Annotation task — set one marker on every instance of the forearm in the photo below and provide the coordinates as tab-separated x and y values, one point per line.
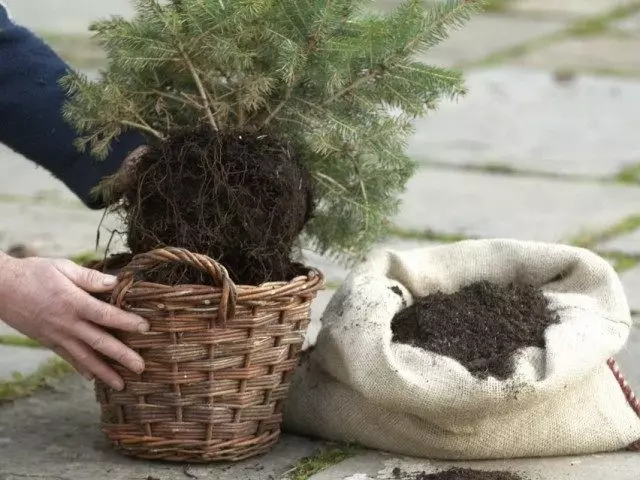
31	122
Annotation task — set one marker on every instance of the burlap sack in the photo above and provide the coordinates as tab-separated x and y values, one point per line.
569	398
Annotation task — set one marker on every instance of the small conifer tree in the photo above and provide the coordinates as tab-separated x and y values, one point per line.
337	85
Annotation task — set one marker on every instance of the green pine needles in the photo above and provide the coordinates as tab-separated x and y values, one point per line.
340	83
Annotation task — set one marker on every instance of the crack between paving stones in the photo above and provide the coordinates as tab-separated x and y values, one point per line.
31	475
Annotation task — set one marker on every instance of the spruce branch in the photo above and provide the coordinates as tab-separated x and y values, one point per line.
351	86
203	94
315	72
144	127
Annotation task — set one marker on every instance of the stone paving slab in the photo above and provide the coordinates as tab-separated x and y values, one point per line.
605	54
629	358
335	271
23	178
7	330
523	119
55	436
629	243
380	466
65	17
629	25
54	231
497	32
631	281
23	360
489	205
569	8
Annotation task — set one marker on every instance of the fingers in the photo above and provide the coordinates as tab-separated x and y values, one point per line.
109	346
83	356
107	315
86	278
61	352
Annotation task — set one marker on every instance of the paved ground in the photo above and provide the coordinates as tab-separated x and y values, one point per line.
543	147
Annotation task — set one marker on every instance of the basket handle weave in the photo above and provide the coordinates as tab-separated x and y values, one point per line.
148	260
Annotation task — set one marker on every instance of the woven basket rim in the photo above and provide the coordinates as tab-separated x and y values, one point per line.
312	272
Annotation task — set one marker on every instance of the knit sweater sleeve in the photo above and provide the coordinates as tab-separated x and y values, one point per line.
31	121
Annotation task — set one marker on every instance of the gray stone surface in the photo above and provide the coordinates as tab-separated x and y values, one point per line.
497	33
335	270
631	281
629	25
380	466
486	205
629	358
336	273
22	360
628	243
524	119
613	54
569	8
7	330
55	436
54	230
65	16
317	309
22	179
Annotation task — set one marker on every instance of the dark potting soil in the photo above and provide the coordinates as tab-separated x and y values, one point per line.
240	197
459	474
481	326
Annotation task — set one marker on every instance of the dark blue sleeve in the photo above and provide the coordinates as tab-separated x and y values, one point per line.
31	121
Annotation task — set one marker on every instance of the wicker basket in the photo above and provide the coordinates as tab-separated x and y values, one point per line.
218	361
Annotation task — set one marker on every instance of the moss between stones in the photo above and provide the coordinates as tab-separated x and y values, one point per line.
595	25
600	24
23	386
85	257
621	261
514	51
307	467
428	235
591	239
81	51
18	341
629	175
497	6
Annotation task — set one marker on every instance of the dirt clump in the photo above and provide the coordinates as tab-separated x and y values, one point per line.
456	473
468	474
482	325
240	197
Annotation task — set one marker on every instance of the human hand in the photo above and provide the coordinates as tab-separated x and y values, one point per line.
48	300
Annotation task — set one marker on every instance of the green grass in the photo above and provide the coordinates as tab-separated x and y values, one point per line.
629	175
591	239
595	25
496	6
497	167
514	51
621	261
427	235
18	341
80	50
600	24
23	386
41	198
308	467
83	258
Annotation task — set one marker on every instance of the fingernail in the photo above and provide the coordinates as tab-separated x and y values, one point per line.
117	385
139	368
109	280
143	327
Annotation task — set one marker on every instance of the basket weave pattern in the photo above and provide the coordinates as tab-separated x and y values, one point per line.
218	361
